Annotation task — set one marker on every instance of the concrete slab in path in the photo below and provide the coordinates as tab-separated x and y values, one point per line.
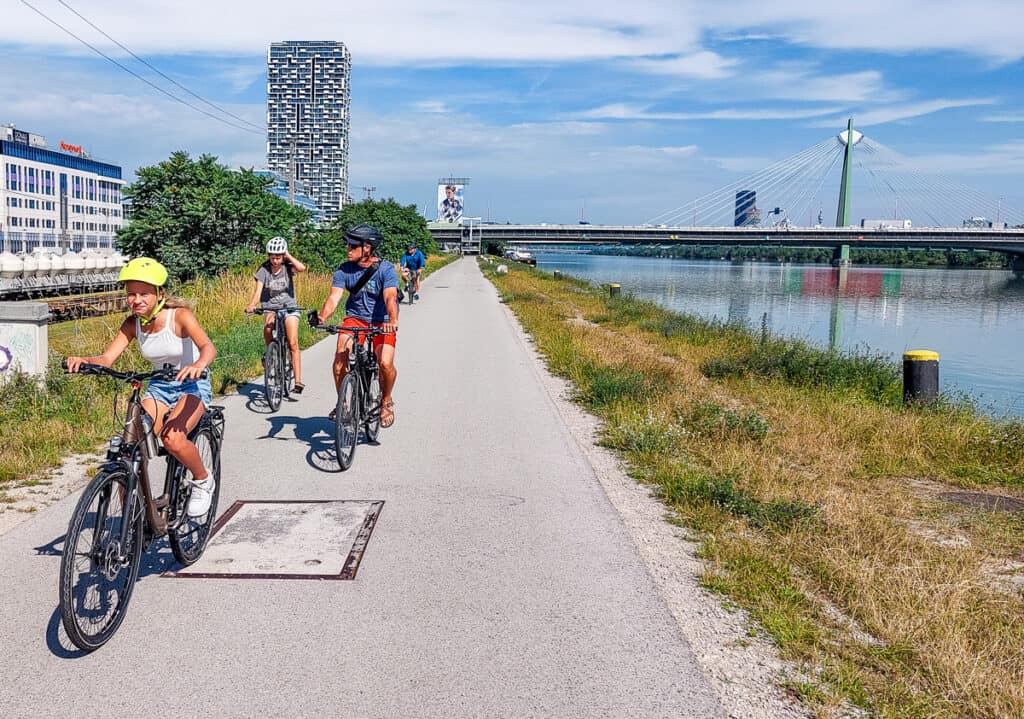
499	581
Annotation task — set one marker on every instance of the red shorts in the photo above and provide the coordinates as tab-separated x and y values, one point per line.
379	340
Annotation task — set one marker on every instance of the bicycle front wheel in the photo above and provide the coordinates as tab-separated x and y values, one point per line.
273	380
188	539
97	573
346	421
373	395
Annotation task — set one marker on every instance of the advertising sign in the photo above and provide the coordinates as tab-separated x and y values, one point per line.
20	136
449	202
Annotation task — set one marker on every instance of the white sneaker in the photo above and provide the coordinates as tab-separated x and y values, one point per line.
202	495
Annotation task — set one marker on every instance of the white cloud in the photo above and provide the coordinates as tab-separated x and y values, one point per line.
704	65
1005	117
892	113
399	31
624	111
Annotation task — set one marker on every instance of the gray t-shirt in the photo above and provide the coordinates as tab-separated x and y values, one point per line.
278	289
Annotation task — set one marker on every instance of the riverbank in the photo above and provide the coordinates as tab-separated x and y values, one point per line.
879	547
41	425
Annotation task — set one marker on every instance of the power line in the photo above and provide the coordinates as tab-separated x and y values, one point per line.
135	74
157	71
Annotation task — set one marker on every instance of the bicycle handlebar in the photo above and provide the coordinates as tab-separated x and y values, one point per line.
261	310
370	331
166	373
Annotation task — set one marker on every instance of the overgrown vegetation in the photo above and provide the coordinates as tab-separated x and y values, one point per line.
818	500
807	255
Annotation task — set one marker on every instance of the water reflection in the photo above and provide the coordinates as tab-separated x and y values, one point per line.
970	317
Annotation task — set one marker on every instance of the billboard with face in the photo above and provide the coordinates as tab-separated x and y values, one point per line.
449	202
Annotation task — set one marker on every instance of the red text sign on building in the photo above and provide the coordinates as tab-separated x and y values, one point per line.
77	149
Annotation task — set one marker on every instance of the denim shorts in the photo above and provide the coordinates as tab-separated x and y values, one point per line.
168	392
287	312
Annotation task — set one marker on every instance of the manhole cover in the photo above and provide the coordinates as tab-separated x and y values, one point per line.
287	540
982	500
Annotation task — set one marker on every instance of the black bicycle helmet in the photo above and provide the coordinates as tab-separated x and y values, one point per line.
365	234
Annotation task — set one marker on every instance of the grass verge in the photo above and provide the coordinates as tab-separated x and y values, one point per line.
41	423
820	502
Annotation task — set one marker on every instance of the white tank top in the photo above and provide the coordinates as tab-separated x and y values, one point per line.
164	347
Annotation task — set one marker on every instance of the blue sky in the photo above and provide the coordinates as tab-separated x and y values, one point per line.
631	108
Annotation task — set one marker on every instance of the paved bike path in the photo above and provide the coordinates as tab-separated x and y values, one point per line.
498	582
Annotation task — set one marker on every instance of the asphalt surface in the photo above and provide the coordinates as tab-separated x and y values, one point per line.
498	582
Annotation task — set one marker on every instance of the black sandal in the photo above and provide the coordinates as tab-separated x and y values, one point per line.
297	389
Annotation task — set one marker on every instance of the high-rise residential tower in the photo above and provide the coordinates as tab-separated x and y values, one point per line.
308	117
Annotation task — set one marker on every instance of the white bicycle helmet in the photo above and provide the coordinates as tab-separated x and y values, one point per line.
277	246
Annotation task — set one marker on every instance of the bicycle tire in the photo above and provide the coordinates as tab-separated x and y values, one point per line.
372	409
74	579
410	290
289	370
189	538
272	379
346	421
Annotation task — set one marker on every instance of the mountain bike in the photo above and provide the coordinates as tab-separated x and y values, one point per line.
359	396
118	518
278	372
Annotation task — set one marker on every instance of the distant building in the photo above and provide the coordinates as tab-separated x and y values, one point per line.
55	198
308	95
885	224
301	198
747	213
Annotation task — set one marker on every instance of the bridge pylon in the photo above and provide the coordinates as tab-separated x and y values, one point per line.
848	138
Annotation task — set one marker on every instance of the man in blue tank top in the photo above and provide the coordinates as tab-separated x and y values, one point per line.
374	305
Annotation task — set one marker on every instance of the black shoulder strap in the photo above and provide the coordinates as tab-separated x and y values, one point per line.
365	277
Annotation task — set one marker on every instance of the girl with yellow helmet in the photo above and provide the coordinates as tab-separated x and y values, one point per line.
167	333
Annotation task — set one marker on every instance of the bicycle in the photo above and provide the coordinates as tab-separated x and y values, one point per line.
359	396
109	530
410	283
278	372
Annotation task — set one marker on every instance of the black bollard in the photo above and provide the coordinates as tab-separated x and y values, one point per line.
920	376
614	290
557	274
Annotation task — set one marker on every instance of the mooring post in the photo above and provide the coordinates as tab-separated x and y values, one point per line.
920	376
557	274
614	289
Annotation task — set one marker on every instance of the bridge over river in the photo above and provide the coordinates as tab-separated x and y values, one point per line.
469	238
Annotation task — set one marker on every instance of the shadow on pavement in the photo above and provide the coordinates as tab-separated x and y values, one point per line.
317	432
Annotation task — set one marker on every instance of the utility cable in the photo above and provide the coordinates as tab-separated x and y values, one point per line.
135	74
157	71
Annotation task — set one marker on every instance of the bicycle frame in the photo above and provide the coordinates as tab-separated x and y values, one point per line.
279	334
131	452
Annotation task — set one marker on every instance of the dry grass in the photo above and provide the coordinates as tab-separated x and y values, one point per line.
810	504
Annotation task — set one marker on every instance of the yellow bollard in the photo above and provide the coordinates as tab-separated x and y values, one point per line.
614	289
920	376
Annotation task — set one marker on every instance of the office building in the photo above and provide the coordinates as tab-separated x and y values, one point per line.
746	209
308	118
55	197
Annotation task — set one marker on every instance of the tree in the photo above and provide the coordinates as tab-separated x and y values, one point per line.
200	218
400	225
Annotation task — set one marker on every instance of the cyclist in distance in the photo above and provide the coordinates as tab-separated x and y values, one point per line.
168	333
375	305
413	263
275	290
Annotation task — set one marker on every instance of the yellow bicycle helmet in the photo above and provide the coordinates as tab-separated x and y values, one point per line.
144	269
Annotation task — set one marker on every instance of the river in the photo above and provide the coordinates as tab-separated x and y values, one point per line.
972	318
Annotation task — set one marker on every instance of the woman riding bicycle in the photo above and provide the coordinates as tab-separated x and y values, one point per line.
167	333
275	289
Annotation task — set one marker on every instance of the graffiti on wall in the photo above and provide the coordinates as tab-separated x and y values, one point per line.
16	350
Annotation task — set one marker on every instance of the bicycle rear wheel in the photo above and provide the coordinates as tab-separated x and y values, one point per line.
188	539
273	380
410	291
346	421
97	574
373	395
